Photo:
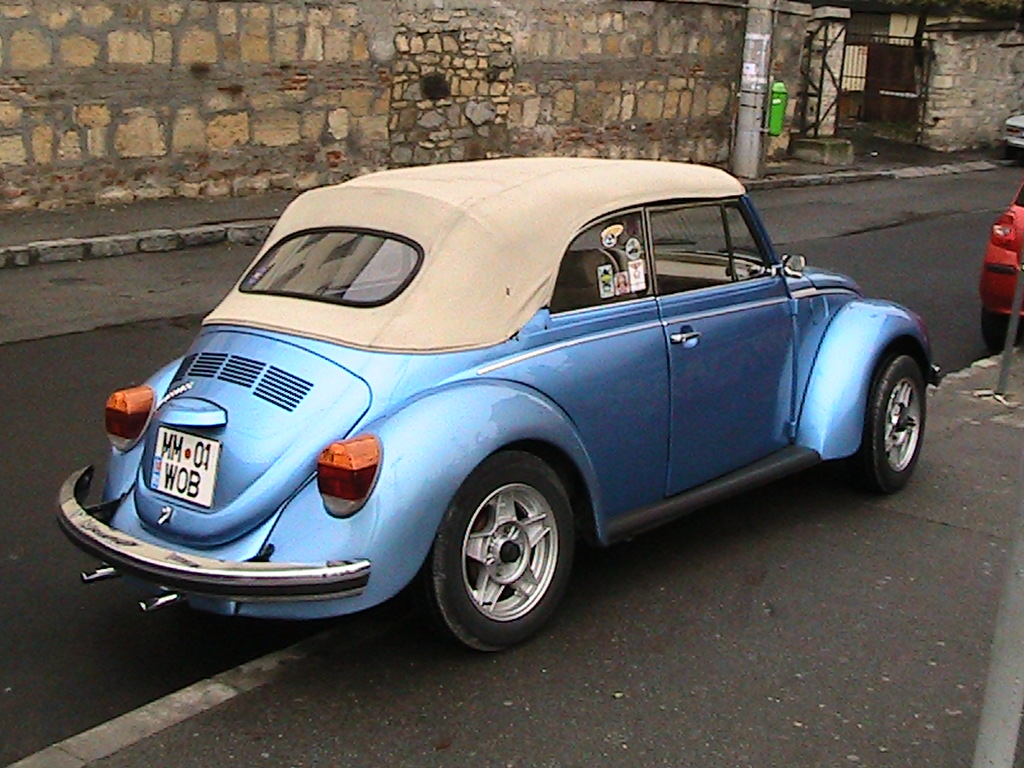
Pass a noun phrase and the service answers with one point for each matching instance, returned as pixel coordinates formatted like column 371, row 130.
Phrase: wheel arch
column 906, row 345
column 891, row 443
column 573, row 481
column 496, row 572
column 831, row 416
column 439, row 439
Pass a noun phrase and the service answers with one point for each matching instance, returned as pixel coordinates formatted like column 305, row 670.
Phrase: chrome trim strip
column 617, row 304
column 726, row 310
column 198, row 575
column 707, row 289
column 560, row 345
column 806, row 293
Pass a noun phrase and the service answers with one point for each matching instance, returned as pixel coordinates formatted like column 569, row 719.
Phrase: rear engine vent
column 282, row 388
column 275, row 386
column 207, row 365
column 241, row 371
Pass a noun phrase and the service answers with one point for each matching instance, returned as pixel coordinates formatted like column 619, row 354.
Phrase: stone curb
column 816, row 179
column 248, row 232
column 254, row 232
column 847, row 177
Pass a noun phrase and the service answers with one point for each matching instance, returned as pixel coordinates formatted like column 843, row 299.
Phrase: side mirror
column 793, row 264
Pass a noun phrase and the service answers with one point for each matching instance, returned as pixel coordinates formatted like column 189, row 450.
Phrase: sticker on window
column 610, row 235
column 606, row 281
column 637, row 276
column 622, row 284
column 633, row 248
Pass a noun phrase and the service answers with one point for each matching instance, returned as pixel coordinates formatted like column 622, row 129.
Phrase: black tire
column 993, row 330
column 893, row 425
column 485, row 560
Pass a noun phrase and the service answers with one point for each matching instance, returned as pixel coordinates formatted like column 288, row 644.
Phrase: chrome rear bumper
column 191, row 574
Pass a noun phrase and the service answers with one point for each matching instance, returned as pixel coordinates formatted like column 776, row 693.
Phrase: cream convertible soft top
column 493, row 233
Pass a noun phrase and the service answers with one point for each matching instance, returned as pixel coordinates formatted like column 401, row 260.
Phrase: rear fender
column 429, row 448
column 858, row 339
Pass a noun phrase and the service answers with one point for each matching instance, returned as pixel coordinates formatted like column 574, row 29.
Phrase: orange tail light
column 345, row 473
column 127, row 413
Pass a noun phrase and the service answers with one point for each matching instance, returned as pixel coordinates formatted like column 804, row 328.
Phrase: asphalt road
column 915, row 241
column 925, row 265
column 805, row 624
column 73, row 657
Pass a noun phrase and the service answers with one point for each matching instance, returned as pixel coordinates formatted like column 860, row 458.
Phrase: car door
column 601, row 358
column 728, row 330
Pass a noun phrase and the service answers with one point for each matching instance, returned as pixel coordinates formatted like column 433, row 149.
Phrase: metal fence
column 884, row 80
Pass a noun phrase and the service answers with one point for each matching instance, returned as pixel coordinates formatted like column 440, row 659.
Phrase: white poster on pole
column 755, row 62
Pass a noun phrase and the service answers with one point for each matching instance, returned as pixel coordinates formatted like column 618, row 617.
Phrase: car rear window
column 344, row 266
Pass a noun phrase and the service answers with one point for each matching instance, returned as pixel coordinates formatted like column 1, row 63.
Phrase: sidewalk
column 92, row 232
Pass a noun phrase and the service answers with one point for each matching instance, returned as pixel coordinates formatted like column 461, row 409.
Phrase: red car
column 999, row 273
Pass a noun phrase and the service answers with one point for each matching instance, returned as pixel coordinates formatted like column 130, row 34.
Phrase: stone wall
column 114, row 100
column 977, row 81
column 118, row 100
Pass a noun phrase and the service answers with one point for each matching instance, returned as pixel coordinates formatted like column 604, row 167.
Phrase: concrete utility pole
column 1004, row 688
column 1011, row 330
column 757, row 46
column 999, row 728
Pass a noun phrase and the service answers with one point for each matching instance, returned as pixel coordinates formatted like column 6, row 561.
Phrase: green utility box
column 777, row 109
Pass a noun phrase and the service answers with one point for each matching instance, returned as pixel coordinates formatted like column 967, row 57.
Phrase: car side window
column 702, row 245
column 604, row 264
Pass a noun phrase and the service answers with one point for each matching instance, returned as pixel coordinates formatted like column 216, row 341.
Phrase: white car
column 1013, row 137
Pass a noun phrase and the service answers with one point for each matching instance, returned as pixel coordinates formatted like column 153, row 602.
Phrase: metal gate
column 884, row 82
column 821, row 79
column 878, row 80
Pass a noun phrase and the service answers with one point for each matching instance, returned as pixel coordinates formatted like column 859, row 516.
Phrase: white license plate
column 185, row 466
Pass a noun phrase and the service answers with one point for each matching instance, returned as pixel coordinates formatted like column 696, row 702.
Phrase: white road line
column 132, row 727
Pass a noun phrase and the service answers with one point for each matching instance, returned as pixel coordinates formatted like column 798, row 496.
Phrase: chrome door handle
column 686, row 336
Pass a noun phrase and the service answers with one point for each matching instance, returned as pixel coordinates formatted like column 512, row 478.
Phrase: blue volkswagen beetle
column 449, row 375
